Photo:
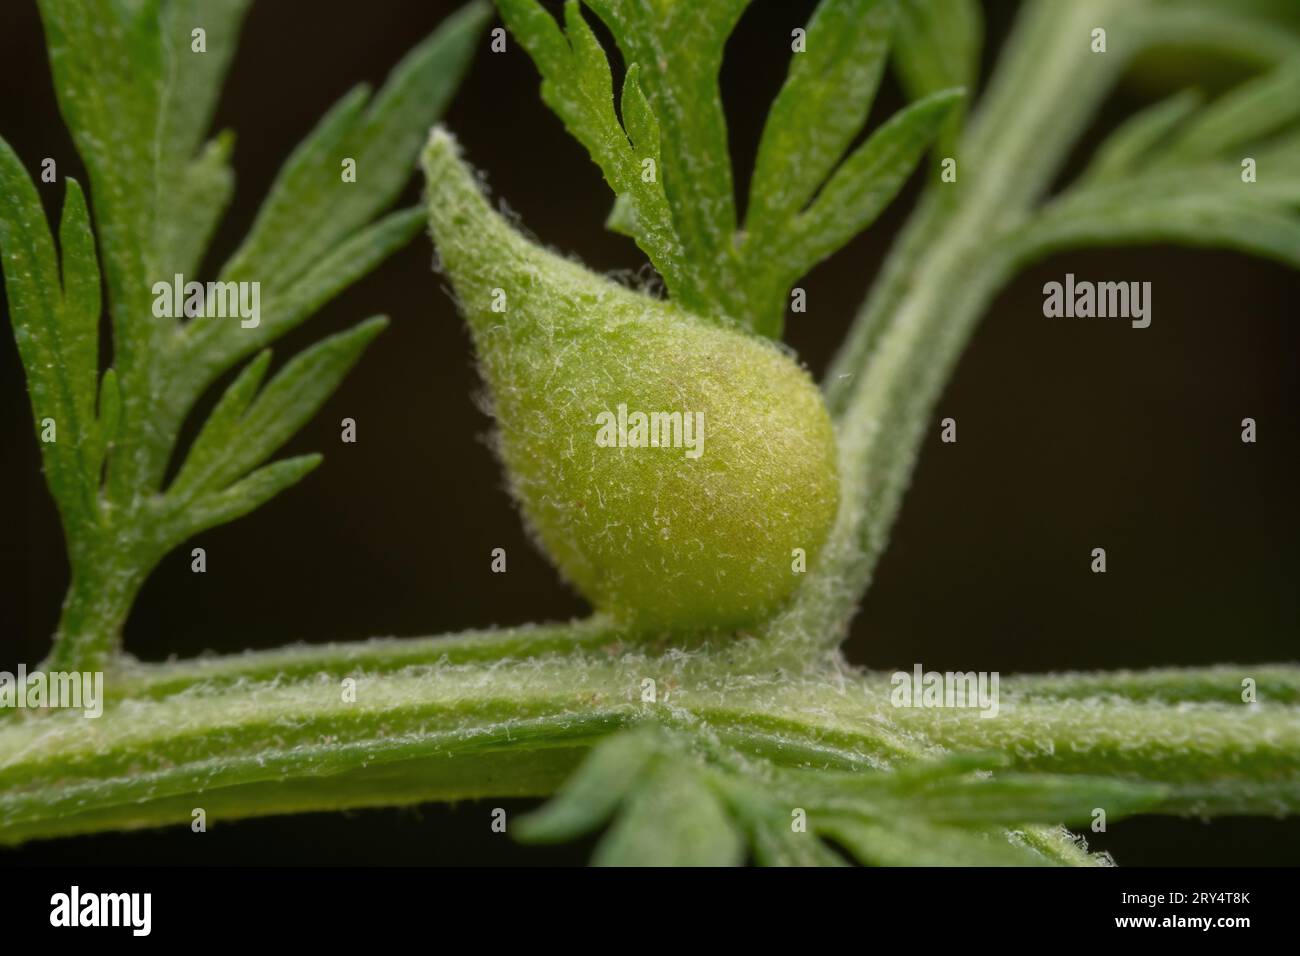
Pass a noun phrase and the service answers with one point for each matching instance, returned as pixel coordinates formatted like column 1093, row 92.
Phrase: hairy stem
column 941, row 277
column 108, row 570
column 506, row 726
column 375, row 656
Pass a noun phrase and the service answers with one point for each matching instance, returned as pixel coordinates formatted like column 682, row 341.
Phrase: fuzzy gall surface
column 700, row 532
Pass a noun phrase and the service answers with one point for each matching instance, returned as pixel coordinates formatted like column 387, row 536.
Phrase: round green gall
column 675, row 470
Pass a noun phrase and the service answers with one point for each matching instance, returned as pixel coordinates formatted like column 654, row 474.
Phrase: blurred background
column 1072, row 435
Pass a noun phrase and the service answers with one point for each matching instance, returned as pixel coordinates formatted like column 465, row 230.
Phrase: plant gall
column 669, row 465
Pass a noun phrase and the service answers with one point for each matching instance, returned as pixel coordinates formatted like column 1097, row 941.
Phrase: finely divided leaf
column 679, row 46
column 193, row 190
column 863, row 185
column 1226, row 175
column 247, row 495
column 673, row 128
column 107, row 71
column 1194, row 220
column 1142, row 135
column 1024, row 798
column 593, row 793
column 820, row 109
column 241, row 434
column 191, row 207
column 221, row 429
column 191, row 80
column 937, row 46
column 300, row 199
column 1246, row 114
column 910, row 841
column 1210, row 26
column 578, row 86
column 138, row 98
column 78, row 337
column 57, row 331
column 211, row 345
column 672, row 818
column 679, row 797
column 774, row 843
column 311, row 209
column 110, row 413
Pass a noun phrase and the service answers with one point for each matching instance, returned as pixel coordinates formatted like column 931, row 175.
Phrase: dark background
column 1072, row 435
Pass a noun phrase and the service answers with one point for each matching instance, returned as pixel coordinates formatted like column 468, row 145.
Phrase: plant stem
column 99, row 597
column 516, row 727
column 945, row 270
column 375, row 656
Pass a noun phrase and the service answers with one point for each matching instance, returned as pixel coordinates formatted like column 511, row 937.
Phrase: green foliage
column 138, row 101
column 937, row 46
column 969, row 237
column 807, row 198
column 56, row 328
column 679, row 799
column 1252, row 32
column 1177, row 172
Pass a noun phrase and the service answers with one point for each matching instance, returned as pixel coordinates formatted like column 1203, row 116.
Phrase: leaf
column 311, row 239
column 192, row 81
column 672, row 818
column 777, row 845
column 685, row 219
column 676, row 783
column 107, row 73
column 310, row 209
column 195, row 206
column 1011, row 799
column 1142, row 135
column 773, row 841
column 56, row 327
column 247, row 495
column 937, row 46
column 863, row 185
column 299, row 200
column 595, row 791
column 622, row 217
column 679, row 47
column 1246, row 114
column 1097, row 217
column 193, row 190
column 578, row 86
column 821, row 107
column 241, row 434
column 1171, row 174
column 110, row 414
column 211, row 345
column 221, row 430
column 913, row 842
column 79, row 333
column 1230, row 31
column 138, row 101
column 1058, row 845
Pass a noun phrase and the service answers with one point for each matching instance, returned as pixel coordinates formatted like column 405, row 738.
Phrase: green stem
column 375, row 656
column 943, row 274
column 95, row 609
column 110, row 563
column 516, row 727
